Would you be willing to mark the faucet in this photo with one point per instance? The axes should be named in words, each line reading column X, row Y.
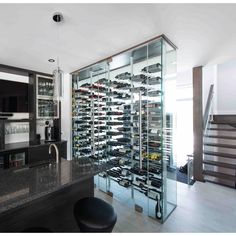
column 56, row 149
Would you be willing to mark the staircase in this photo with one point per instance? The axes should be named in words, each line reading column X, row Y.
column 219, row 161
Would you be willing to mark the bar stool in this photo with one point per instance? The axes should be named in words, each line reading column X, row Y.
column 94, row 215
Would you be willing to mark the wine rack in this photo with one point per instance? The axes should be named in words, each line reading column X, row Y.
column 119, row 117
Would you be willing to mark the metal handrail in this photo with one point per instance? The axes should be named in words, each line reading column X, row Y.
column 208, row 107
column 190, row 168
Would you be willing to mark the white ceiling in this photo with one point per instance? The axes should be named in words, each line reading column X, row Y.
column 203, row 33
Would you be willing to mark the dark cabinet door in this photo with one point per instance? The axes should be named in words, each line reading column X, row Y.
column 41, row 153
column 38, row 154
column 62, row 148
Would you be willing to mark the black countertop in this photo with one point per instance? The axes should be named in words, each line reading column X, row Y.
column 24, row 145
column 20, row 186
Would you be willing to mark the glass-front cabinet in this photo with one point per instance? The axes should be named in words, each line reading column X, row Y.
column 123, row 113
column 1, row 162
column 17, row 158
column 47, row 106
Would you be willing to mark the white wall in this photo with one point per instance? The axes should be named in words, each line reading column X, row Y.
column 226, row 88
column 184, row 78
column 13, row 77
column 209, row 74
column 183, row 140
column 66, row 114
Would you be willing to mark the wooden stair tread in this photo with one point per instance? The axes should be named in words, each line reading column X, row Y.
column 221, row 145
column 220, row 154
column 219, row 175
column 223, row 129
column 220, row 136
column 220, row 164
column 221, row 122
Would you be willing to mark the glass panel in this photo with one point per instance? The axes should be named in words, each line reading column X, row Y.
column 169, row 199
column 98, row 118
column 47, row 108
column 88, row 116
column 118, row 127
column 138, row 129
column 1, row 162
column 153, row 123
column 45, row 86
column 17, row 159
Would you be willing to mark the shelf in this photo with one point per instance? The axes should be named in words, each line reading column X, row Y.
column 44, row 97
column 17, row 120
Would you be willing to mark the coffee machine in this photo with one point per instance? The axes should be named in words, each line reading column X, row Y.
column 50, row 132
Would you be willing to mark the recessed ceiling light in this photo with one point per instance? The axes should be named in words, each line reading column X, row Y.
column 51, row 60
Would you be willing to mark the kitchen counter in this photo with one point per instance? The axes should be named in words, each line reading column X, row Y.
column 21, row 186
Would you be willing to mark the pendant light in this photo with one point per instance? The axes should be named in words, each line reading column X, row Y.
column 58, row 74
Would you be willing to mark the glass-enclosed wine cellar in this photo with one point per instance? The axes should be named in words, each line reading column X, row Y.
column 123, row 113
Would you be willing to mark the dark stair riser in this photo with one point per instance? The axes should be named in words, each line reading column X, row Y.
column 222, row 123
column 220, row 145
column 219, row 175
column 220, row 164
column 224, row 119
column 223, row 129
column 221, row 137
column 220, row 154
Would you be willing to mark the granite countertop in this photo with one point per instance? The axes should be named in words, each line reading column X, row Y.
column 20, row 186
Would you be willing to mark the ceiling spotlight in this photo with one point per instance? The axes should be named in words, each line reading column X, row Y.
column 57, row 17
column 51, row 60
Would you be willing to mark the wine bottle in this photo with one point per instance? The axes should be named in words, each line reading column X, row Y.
column 154, row 93
column 153, row 80
column 123, row 76
column 152, row 68
column 123, row 97
column 112, row 123
column 139, row 78
column 114, row 113
column 102, row 81
column 112, row 133
column 124, row 183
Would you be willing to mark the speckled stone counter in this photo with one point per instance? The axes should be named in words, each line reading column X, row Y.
column 20, row 186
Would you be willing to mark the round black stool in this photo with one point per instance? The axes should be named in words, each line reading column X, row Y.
column 94, row 215
column 37, row 230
